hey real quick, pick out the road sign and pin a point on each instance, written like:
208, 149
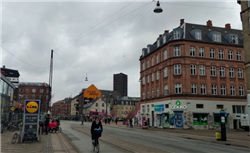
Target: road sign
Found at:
12, 108
92, 92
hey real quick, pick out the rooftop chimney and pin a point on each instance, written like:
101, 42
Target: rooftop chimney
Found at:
228, 26
209, 23
166, 31
181, 21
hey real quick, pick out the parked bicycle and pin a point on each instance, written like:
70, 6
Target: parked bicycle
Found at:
16, 136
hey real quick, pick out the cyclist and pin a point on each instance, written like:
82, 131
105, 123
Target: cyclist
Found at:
96, 131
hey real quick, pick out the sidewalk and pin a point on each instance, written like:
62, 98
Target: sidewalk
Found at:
51, 143
234, 137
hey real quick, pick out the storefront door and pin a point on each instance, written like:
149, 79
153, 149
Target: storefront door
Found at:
178, 119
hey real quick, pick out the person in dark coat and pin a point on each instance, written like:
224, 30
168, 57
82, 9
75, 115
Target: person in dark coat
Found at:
96, 130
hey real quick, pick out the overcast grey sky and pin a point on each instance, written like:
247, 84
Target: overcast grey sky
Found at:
97, 38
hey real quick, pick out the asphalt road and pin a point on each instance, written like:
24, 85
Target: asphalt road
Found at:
118, 140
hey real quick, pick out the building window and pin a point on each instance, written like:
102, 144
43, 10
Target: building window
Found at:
152, 76
102, 104
238, 56
231, 72
193, 69
241, 91
223, 90
234, 39
152, 93
143, 95
203, 89
194, 88
166, 90
148, 79
197, 35
217, 37
192, 51
219, 106
202, 70
26, 90
238, 109
213, 71
178, 88
212, 53
165, 72
240, 73
148, 94
200, 118
157, 59
248, 3
177, 51
157, 91
166, 105
96, 104
20, 90
201, 52
177, 69
230, 55
232, 90
157, 75
158, 43
148, 64
165, 54
164, 39
143, 66
222, 71
152, 61
214, 89
221, 54
143, 81
177, 34
199, 106
41, 90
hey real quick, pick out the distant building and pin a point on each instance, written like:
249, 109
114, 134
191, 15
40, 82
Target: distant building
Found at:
189, 74
125, 107
35, 91
11, 75
62, 109
120, 84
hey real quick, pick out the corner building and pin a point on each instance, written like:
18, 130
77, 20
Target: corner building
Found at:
188, 74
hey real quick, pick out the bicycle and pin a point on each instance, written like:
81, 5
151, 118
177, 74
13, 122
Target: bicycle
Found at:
96, 146
16, 136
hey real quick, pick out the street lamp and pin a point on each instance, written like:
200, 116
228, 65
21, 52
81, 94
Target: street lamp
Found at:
158, 9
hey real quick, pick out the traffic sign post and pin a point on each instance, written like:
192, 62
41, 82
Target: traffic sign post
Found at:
31, 120
223, 125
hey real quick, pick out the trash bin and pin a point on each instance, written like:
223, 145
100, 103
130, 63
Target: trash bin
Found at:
218, 135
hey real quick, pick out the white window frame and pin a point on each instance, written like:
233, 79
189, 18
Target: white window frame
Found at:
223, 90
143, 80
147, 78
177, 69
203, 89
165, 54
157, 91
165, 72
197, 35
221, 54
157, 59
178, 88
152, 93
176, 34
234, 39
152, 61
177, 50
238, 56
165, 90
216, 37
192, 69
212, 53
157, 75
230, 55
214, 89
152, 77
241, 90
148, 64
240, 73
201, 52
194, 88
158, 43
232, 91
213, 71
222, 71
202, 70
192, 51
231, 72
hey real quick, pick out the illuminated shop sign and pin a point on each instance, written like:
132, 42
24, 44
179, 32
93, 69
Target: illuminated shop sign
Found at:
178, 106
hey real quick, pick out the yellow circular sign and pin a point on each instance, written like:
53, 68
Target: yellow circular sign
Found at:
32, 107
12, 108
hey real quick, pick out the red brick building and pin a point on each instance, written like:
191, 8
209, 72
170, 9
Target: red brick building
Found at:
190, 73
62, 108
35, 91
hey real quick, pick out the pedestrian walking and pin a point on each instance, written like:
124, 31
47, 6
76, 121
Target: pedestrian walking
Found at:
82, 119
116, 120
47, 120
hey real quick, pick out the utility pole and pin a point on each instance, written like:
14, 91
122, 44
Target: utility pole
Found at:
50, 77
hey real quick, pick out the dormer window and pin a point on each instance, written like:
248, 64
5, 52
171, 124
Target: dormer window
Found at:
177, 34
158, 43
197, 35
217, 37
164, 39
148, 49
234, 39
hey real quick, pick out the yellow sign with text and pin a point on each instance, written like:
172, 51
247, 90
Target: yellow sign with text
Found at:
32, 107
92, 92
12, 108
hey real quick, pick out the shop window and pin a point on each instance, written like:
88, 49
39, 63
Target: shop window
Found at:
219, 106
199, 106
217, 120
200, 119
166, 105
